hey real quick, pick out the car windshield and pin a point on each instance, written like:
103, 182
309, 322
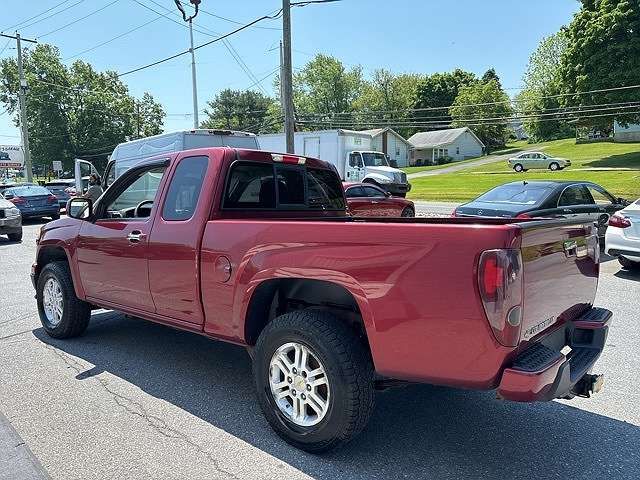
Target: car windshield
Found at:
29, 191
375, 160
523, 194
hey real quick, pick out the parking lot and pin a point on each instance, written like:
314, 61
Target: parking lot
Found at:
131, 399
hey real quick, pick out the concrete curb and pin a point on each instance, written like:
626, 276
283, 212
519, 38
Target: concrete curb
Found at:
16, 460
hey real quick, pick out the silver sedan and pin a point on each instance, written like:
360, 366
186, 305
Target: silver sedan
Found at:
539, 160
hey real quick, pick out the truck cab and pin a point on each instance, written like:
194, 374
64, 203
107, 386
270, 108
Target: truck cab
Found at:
373, 167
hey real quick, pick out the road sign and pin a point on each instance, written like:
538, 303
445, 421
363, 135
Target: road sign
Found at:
57, 166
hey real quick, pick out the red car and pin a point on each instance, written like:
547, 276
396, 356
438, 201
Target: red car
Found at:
366, 200
257, 249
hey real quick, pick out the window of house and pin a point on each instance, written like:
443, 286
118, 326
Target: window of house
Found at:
185, 187
457, 150
397, 151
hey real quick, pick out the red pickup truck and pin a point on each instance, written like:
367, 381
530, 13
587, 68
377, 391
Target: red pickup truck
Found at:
257, 249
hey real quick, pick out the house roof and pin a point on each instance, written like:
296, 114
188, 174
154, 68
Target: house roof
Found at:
438, 138
378, 131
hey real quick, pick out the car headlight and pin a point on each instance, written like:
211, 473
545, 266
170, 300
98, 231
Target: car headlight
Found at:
12, 212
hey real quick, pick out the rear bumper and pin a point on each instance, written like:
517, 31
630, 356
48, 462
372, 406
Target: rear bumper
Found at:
542, 373
45, 212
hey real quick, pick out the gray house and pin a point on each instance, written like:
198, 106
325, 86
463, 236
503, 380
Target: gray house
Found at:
389, 141
457, 143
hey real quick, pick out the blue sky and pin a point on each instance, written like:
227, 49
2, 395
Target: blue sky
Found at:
422, 36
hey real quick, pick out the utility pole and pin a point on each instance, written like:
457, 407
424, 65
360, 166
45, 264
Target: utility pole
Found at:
196, 5
287, 80
22, 100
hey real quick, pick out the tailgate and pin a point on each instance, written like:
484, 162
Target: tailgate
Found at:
560, 274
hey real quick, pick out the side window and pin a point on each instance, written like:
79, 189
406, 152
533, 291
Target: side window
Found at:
251, 186
324, 190
575, 195
355, 160
600, 195
136, 200
355, 192
185, 188
291, 186
373, 192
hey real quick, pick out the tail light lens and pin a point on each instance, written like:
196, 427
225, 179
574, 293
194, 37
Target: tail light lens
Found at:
52, 199
619, 220
524, 215
500, 285
18, 200
454, 213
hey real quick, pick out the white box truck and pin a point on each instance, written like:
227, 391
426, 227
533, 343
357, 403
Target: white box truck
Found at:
351, 153
127, 154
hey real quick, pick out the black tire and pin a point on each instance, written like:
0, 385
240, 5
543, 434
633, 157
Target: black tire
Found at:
553, 166
15, 237
408, 212
628, 264
518, 167
75, 313
349, 372
55, 216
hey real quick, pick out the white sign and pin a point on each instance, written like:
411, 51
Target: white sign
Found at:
11, 156
57, 166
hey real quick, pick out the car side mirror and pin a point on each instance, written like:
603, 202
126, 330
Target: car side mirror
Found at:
622, 201
8, 196
387, 194
80, 208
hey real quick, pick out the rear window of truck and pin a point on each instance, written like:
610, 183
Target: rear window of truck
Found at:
264, 186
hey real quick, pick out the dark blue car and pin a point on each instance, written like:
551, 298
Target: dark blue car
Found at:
34, 201
59, 187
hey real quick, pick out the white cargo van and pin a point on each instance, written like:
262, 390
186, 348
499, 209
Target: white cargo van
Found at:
351, 153
127, 154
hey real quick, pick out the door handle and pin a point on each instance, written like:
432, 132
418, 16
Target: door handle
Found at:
567, 210
136, 236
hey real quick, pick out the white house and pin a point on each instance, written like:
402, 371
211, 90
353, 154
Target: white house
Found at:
630, 133
457, 143
389, 141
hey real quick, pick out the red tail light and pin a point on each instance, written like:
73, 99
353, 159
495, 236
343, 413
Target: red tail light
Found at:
524, 215
619, 220
52, 199
17, 200
454, 213
500, 284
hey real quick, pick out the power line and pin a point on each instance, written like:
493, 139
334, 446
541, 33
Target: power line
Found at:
78, 20
5, 46
52, 15
224, 18
36, 16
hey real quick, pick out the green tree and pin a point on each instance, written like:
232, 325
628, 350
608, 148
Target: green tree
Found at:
602, 52
441, 90
481, 101
387, 97
490, 75
323, 88
76, 110
542, 84
241, 110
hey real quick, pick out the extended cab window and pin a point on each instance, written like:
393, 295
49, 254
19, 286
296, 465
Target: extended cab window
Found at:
184, 189
251, 186
136, 200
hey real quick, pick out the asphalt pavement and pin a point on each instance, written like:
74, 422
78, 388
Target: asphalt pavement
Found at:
134, 400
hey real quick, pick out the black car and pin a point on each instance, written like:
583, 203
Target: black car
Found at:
59, 187
549, 198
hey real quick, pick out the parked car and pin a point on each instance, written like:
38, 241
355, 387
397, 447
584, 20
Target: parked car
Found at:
10, 220
34, 201
537, 160
584, 201
62, 189
257, 249
623, 236
366, 200
5, 186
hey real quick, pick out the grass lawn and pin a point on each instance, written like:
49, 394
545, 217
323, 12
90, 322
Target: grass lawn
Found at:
468, 184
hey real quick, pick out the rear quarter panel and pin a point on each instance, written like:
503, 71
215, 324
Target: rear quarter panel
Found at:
415, 285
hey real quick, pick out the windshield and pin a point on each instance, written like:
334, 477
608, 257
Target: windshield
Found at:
523, 194
28, 191
375, 159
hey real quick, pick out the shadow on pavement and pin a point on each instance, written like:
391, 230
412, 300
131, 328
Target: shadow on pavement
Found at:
633, 275
418, 431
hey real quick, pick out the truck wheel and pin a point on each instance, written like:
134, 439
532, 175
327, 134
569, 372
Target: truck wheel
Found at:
62, 314
518, 168
15, 237
629, 264
408, 212
314, 380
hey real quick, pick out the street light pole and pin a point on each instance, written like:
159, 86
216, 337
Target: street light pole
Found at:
22, 100
287, 77
193, 77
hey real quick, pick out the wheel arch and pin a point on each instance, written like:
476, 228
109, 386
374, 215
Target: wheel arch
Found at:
55, 252
276, 296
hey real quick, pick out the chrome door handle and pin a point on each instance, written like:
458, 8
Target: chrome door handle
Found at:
136, 236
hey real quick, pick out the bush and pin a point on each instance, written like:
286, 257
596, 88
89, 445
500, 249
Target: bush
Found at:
443, 160
419, 162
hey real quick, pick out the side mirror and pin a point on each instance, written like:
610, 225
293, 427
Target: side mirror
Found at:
8, 196
387, 194
622, 201
80, 208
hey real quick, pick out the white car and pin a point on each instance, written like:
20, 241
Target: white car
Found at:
622, 239
528, 160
